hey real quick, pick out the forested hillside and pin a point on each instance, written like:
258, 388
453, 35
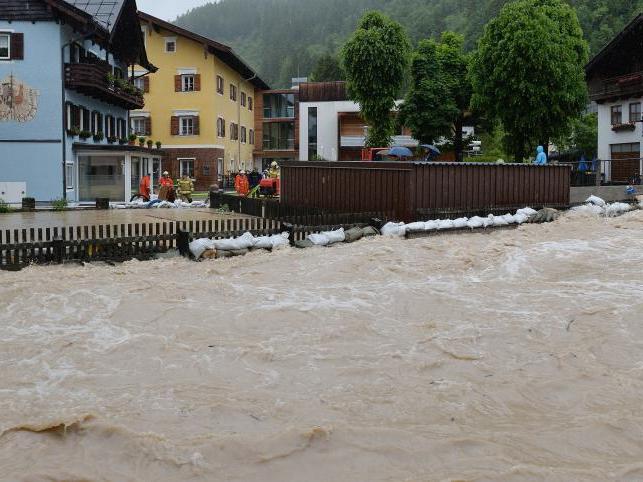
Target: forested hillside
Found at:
285, 38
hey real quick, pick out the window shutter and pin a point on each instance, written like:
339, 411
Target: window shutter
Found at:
222, 127
177, 83
197, 82
17, 46
146, 84
196, 126
148, 126
174, 126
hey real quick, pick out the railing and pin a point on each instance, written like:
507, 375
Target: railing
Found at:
92, 79
615, 87
607, 172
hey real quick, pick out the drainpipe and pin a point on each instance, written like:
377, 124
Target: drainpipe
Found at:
64, 110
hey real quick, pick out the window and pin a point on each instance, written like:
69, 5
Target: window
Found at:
312, 133
85, 120
170, 45
187, 83
243, 99
278, 106
139, 83
186, 126
233, 92
234, 131
249, 103
279, 136
220, 85
631, 150
635, 112
244, 138
5, 46
220, 127
139, 126
617, 114
206, 168
97, 122
186, 167
69, 175
251, 136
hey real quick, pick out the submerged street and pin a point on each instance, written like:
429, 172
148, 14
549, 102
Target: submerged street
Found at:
514, 355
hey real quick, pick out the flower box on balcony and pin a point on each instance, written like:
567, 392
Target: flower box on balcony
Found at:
628, 126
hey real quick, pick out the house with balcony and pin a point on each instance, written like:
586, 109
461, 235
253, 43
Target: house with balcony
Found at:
615, 82
65, 97
200, 105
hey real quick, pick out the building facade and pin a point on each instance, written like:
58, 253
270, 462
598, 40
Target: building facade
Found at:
64, 100
615, 81
200, 104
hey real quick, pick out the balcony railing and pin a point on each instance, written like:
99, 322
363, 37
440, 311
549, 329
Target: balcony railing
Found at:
94, 80
618, 87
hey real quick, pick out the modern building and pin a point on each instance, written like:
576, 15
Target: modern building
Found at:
200, 105
615, 81
65, 98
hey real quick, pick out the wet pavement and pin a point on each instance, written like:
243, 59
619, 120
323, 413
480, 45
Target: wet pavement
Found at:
50, 219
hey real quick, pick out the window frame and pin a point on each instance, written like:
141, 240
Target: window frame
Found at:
220, 85
170, 40
191, 160
69, 171
243, 99
233, 92
185, 82
251, 137
638, 111
7, 35
250, 103
139, 80
184, 132
243, 136
616, 111
220, 127
138, 119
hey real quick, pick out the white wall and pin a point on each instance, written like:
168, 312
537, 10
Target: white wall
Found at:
607, 137
327, 127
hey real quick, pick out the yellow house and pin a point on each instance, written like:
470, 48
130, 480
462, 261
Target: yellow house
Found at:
199, 105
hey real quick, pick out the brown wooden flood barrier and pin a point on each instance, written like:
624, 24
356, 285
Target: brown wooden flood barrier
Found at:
422, 190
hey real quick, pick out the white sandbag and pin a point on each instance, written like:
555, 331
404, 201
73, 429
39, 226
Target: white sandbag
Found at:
529, 212
520, 218
499, 221
475, 222
589, 209
393, 230
616, 209
510, 218
445, 224
242, 242
414, 227
595, 200
199, 246
337, 236
460, 223
488, 221
319, 239
431, 225
271, 242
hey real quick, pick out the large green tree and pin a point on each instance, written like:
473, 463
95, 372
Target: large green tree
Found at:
529, 71
376, 59
439, 98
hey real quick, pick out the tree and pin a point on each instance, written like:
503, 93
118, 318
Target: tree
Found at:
529, 71
327, 69
583, 136
428, 109
440, 94
376, 59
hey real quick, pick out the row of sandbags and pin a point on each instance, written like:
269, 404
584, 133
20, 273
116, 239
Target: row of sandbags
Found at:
328, 238
225, 248
178, 204
599, 207
401, 229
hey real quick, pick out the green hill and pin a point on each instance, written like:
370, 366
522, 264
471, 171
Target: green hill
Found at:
284, 38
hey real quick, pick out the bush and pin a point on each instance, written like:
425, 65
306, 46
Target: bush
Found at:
4, 207
60, 204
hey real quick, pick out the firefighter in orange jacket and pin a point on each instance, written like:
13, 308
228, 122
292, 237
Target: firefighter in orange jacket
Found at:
166, 193
242, 186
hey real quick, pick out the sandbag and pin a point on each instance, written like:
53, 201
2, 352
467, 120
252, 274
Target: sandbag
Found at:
245, 241
431, 225
232, 253
271, 242
319, 239
328, 237
199, 246
475, 222
305, 243
445, 224
370, 231
595, 200
520, 218
499, 221
529, 212
460, 223
394, 230
354, 234
414, 227
616, 209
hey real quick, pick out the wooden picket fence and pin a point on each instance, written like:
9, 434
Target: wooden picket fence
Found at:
122, 242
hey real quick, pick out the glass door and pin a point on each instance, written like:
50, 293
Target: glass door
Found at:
101, 177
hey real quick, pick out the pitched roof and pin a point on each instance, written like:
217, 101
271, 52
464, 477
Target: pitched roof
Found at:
223, 52
33, 10
104, 12
613, 47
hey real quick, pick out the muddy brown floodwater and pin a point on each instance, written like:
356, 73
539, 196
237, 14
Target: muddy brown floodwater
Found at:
516, 355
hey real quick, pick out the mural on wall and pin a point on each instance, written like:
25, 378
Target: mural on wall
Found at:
18, 101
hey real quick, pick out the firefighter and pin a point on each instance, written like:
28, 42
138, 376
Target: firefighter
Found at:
241, 184
273, 173
166, 191
185, 188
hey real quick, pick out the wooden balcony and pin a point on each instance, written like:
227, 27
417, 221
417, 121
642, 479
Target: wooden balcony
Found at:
623, 87
92, 80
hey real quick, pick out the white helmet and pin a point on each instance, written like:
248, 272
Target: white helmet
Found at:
274, 164
165, 173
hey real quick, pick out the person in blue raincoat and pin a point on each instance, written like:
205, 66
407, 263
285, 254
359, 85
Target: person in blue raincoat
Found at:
541, 157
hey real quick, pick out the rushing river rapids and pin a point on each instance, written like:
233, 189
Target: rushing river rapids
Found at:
516, 355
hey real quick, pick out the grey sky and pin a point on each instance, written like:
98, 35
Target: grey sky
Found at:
168, 9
